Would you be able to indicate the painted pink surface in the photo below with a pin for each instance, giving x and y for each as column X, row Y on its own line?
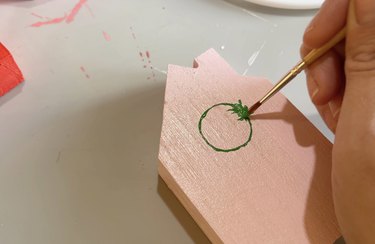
column 75, row 11
column 275, row 190
column 107, row 37
column 49, row 22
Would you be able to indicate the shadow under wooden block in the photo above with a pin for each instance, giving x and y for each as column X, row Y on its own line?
column 277, row 189
column 181, row 214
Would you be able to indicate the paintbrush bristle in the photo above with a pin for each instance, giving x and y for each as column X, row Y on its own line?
column 254, row 107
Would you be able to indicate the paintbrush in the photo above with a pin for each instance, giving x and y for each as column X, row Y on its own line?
column 306, row 61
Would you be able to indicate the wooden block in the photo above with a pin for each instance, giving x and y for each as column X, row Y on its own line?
column 10, row 74
column 277, row 189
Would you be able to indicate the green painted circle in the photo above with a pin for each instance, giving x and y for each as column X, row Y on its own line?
column 221, row 149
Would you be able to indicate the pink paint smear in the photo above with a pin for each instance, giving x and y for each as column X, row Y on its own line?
column 84, row 71
column 148, row 63
column 90, row 11
column 148, row 55
column 68, row 18
column 107, row 37
column 39, row 16
column 75, row 11
column 49, row 22
column 133, row 34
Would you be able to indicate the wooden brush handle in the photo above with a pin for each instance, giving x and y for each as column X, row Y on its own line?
column 307, row 60
column 317, row 53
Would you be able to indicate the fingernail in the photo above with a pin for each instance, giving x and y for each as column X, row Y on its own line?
column 365, row 11
column 335, row 109
column 313, row 86
column 315, row 92
column 309, row 28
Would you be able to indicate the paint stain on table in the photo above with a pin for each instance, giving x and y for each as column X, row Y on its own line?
column 149, row 62
column 39, row 16
column 145, row 56
column 49, row 22
column 67, row 18
column 75, row 11
column 89, row 10
column 106, row 36
column 82, row 68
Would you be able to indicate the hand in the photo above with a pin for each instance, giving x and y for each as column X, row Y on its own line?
column 342, row 86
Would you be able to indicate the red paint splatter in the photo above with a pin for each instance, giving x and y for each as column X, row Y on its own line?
column 142, row 56
column 89, row 10
column 49, row 22
column 84, row 71
column 133, row 34
column 39, row 16
column 10, row 74
column 75, row 11
column 68, row 18
column 107, row 37
column 148, row 55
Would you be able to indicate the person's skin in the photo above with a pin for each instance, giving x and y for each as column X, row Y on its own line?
column 342, row 86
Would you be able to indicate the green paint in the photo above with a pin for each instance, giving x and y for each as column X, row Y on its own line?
column 243, row 115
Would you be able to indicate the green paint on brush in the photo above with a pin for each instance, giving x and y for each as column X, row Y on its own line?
column 243, row 115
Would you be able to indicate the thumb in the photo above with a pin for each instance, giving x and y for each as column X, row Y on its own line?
column 353, row 162
column 360, row 47
column 358, row 108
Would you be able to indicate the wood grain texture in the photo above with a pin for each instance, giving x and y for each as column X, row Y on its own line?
column 275, row 190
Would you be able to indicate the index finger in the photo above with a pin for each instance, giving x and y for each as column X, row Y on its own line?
column 330, row 19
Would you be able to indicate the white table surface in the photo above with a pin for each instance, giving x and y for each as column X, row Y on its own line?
column 78, row 155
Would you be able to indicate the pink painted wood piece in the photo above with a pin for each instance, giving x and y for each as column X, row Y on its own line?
column 275, row 190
